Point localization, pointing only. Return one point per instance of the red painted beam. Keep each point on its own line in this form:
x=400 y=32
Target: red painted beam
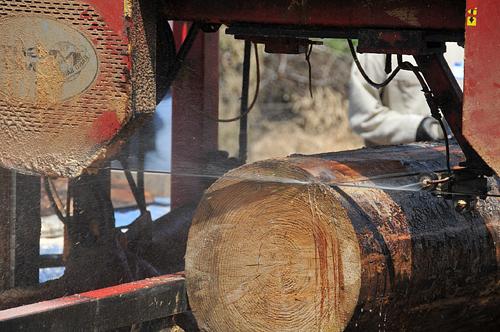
x=102 y=309
x=481 y=109
x=114 y=11
x=195 y=98
x=402 y=14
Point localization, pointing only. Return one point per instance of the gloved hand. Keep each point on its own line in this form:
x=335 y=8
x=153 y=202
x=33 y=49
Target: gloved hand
x=429 y=130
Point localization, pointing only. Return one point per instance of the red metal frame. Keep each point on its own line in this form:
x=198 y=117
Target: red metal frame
x=402 y=14
x=195 y=92
x=102 y=309
x=114 y=12
x=481 y=108
x=195 y=96
x=476 y=129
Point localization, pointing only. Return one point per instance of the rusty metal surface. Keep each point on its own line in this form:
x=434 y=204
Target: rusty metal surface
x=66 y=81
x=426 y=14
x=481 y=116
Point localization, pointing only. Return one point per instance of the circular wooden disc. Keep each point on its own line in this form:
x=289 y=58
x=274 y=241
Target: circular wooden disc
x=64 y=86
x=270 y=256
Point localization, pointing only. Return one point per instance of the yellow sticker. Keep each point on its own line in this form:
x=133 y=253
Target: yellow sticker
x=472 y=11
x=471 y=21
x=127 y=8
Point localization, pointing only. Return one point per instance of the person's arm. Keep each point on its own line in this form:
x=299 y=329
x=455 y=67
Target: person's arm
x=375 y=122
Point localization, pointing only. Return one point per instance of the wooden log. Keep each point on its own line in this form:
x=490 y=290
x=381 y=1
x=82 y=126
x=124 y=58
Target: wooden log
x=273 y=248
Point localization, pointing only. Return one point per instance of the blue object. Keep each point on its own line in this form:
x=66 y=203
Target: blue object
x=126 y=217
x=50 y=273
x=159 y=159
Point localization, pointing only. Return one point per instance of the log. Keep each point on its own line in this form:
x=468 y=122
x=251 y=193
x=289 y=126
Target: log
x=273 y=247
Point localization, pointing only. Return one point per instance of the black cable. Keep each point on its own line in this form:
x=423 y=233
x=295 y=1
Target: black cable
x=388 y=63
x=308 y=60
x=255 y=97
x=363 y=73
x=405 y=65
x=435 y=112
x=447 y=145
x=257 y=78
x=243 y=136
x=181 y=57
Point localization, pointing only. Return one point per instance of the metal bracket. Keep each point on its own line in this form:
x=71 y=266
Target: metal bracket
x=449 y=99
x=411 y=42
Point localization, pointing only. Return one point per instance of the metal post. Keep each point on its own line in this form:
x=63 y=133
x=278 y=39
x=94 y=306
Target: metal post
x=195 y=95
x=243 y=139
x=20 y=227
x=92 y=209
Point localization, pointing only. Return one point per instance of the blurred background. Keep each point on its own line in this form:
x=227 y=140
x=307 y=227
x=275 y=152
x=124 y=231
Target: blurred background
x=285 y=118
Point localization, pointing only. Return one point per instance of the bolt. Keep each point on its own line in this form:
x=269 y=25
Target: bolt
x=462 y=206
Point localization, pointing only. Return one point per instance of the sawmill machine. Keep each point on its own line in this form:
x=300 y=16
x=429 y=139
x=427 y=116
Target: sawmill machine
x=79 y=77
x=76 y=76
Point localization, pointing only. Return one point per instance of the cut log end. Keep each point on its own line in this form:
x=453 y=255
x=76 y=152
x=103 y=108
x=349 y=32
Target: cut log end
x=272 y=256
